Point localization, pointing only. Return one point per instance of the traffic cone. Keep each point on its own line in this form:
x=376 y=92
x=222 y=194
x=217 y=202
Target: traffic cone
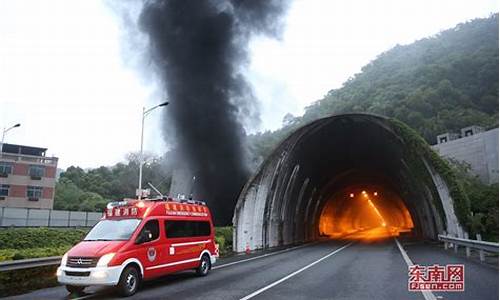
x=247 y=249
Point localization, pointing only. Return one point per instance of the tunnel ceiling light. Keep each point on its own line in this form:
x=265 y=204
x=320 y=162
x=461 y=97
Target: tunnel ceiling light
x=363 y=192
x=375 y=194
x=351 y=195
x=378 y=213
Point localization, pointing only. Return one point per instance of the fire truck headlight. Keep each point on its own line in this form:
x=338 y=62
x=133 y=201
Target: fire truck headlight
x=99 y=274
x=64 y=259
x=105 y=259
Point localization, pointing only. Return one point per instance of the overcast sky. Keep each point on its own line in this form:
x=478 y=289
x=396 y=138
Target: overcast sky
x=71 y=76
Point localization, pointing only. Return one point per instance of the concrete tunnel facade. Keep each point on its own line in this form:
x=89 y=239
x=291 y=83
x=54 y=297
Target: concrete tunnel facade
x=319 y=180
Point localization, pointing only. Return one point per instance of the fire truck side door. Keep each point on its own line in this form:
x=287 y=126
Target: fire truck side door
x=149 y=248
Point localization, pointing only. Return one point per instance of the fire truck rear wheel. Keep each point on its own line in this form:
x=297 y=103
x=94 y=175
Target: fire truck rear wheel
x=129 y=281
x=204 y=266
x=74 y=289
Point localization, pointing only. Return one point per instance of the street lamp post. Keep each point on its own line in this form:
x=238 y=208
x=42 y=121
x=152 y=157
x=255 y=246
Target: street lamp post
x=145 y=112
x=5 y=130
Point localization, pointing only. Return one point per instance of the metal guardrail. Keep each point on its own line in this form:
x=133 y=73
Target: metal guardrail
x=30 y=263
x=480 y=245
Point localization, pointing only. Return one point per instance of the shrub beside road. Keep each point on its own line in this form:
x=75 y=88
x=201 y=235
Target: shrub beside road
x=21 y=243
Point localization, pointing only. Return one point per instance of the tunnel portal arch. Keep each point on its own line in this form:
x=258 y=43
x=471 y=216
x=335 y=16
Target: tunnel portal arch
x=325 y=162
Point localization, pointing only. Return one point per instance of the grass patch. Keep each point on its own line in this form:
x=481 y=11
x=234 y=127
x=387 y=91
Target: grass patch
x=24 y=281
x=15 y=254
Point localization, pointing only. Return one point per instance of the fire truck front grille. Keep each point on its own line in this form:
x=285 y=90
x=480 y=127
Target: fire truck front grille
x=81 y=274
x=82 y=262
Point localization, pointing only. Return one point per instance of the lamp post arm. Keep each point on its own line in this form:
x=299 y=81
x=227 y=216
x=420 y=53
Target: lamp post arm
x=145 y=112
x=5 y=130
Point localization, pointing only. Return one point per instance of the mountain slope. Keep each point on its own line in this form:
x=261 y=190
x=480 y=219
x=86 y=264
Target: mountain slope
x=437 y=84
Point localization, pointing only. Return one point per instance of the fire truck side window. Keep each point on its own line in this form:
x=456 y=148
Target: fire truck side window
x=178 y=229
x=150 y=232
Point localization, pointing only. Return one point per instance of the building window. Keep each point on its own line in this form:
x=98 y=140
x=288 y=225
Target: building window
x=37 y=171
x=4 y=190
x=443 y=139
x=5 y=168
x=34 y=192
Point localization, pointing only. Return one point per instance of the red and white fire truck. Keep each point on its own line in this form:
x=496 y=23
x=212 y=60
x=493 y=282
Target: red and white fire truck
x=139 y=240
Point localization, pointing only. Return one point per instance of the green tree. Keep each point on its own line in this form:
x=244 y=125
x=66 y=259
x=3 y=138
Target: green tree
x=67 y=195
x=91 y=190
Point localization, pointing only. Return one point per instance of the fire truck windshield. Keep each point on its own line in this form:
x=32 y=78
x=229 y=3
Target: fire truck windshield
x=113 y=230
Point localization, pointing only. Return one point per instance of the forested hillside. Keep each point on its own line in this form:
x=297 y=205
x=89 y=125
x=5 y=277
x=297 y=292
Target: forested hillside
x=91 y=190
x=437 y=84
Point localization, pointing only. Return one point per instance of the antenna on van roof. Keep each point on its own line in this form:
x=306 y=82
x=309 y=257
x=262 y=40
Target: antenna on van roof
x=155 y=189
x=192 y=188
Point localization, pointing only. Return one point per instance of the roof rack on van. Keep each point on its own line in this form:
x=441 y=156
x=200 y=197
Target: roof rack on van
x=193 y=202
x=125 y=202
x=189 y=201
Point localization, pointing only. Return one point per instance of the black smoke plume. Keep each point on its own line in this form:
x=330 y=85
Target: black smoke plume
x=199 y=48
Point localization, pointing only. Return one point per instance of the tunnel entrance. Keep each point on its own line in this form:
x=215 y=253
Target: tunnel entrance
x=364 y=212
x=351 y=174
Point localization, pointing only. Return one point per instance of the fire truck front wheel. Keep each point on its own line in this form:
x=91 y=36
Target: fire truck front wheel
x=129 y=281
x=204 y=266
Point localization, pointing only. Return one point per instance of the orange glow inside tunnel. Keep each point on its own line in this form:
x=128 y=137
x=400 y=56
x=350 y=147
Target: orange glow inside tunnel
x=365 y=215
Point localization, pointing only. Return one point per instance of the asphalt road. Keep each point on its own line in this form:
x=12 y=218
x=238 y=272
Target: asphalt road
x=323 y=270
x=481 y=280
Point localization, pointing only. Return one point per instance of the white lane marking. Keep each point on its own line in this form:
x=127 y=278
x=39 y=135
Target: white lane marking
x=190 y=243
x=428 y=295
x=85 y=297
x=257 y=292
x=260 y=256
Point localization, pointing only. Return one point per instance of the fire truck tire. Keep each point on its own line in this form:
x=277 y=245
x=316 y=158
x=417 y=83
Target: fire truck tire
x=129 y=281
x=75 y=289
x=204 y=266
